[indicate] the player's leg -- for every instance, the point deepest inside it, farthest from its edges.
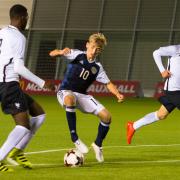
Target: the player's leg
(105, 120)
(103, 128)
(16, 135)
(37, 118)
(68, 100)
(152, 117)
(12, 102)
(88, 104)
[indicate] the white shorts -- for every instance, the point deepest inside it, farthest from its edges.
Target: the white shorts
(85, 103)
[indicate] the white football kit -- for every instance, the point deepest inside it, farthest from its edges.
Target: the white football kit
(85, 103)
(12, 49)
(173, 52)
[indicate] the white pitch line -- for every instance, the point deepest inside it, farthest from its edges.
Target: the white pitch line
(139, 162)
(123, 162)
(145, 145)
(47, 151)
(106, 147)
(144, 162)
(113, 162)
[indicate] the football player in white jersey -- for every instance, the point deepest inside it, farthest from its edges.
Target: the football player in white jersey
(13, 100)
(81, 72)
(171, 98)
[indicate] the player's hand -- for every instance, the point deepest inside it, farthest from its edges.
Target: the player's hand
(66, 51)
(120, 97)
(55, 52)
(49, 85)
(166, 74)
(58, 52)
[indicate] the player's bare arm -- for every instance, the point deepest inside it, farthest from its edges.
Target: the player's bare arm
(59, 52)
(49, 85)
(113, 89)
(166, 74)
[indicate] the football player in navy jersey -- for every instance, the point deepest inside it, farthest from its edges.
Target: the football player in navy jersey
(81, 72)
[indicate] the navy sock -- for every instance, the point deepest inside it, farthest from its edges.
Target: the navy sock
(71, 118)
(102, 132)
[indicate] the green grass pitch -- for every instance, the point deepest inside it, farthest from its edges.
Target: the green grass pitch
(154, 153)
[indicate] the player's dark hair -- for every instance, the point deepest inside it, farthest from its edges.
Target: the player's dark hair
(17, 10)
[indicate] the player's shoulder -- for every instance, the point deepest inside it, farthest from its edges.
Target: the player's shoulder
(74, 54)
(99, 67)
(3, 31)
(176, 47)
(13, 33)
(99, 64)
(77, 50)
(170, 49)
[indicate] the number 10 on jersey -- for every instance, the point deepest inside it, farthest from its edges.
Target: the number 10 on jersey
(84, 74)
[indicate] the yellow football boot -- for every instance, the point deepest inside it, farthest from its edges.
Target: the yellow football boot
(17, 157)
(4, 168)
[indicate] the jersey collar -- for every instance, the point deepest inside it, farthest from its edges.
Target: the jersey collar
(94, 60)
(13, 27)
(91, 61)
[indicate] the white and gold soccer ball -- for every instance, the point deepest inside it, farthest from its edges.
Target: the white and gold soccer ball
(73, 158)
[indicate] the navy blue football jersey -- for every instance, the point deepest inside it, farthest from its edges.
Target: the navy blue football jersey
(81, 73)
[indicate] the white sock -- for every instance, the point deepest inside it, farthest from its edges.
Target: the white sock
(13, 139)
(147, 119)
(35, 123)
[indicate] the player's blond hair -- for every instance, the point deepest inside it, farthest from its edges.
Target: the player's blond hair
(98, 38)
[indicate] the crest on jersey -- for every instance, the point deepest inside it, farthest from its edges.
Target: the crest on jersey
(94, 70)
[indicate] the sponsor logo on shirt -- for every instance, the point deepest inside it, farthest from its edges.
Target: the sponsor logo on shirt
(17, 105)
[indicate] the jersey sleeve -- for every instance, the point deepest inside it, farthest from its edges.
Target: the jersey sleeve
(168, 50)
(72, 55)
(19, 49)
(19, 67)
(102, 76)
(24, 72)
(164, 51)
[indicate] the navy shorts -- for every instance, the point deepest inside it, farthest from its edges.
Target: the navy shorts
(13, 99)
(171, 100)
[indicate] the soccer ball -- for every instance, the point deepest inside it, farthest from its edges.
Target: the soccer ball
(73, 158)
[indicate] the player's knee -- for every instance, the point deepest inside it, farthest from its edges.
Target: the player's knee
(69, 100)
(162, 116)
(37, 122)
(106, 121)
(109, 118)
(35, 109)
(106, 117)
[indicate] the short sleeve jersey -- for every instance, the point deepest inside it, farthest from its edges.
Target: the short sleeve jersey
(12, 46)
(81, 73)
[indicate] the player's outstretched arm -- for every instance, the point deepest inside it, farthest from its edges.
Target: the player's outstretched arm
(59, 52)
(113, 89)
(27, 74)
(49, 86)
